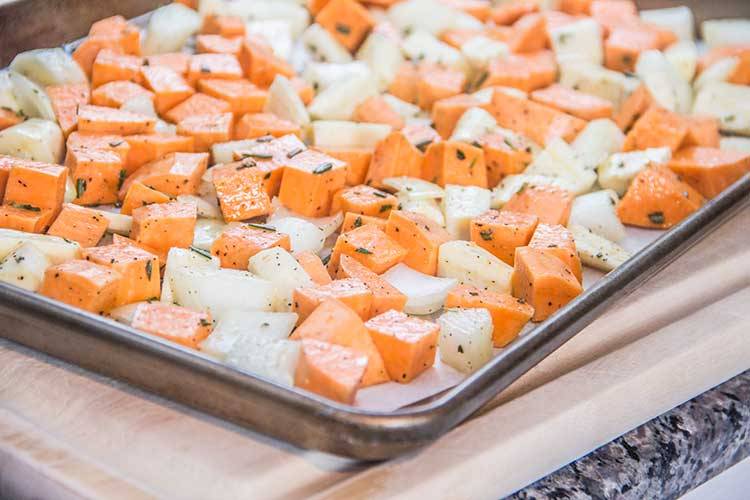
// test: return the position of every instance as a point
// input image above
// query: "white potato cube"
(328, 225)
(741, 144)
(178, 258)
(719, 71)
(718, 32)
(460, 205)
(346, 134)
(383, 56)
(322, 75)
(684, 57)
(279, 267)
(596, 211)
(559, 160)
(428, 207)
(430, 16)
(599, 139)
(323, 47)
(664, 82)
(425, 294)
(620, 168)
(422, 46)
(304, 236)
(274, 360)
(414, 188)
(679, 20)
(581, 40)
(470, 264)
(277, 32)
(270, 326)
(48, 67)
(284, 102)
(729, 103)
(596, 80)
(465, 338)
(34, 139)
(24, 267)
(206, 232)
(56, 249)
(480, 50)
(405, 110)
(339, 101)
(116, 222)
(596, 251)
(7, 97)
(205, 208)
(169, 27)
(473, 124)
(295, 15)
(31, 98)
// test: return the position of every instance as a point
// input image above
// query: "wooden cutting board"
(65, 433)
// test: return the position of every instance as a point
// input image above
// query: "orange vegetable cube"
(217, 44)
(41, 185)
(330, 370)
(305, 91)
(406, 344)
(741, 74)
(501, 232)
(357, 160)
(375, 109)
(313, 266)
(633, 107)
(364, 200)
(173, 174)
(404, 84)
(657, 198)
(420, 135)
(117, 27)
(138, 270)
(476, 8)
(702, 131)
(347, 21)
(115, 94)
(102, 120)
(446, 112)
(65, 101)
(550, 203)
(310, 179)
(370, 246)
(176, 61)
(105, 142)
(334, 322)
(223, 25)
(168, 86)
(613, 14)
(178, 324)
(353, 221)
(394, 156)
(657, 128)
(224, 66)
(97, 175)
(162, 226)
(145, 148)
(558, 242)
(351, 292)
(543, 281)
(254, 125)
(385, 297)
(525, 36)
(420, 236)
(82, 284)
(140, 195)
(625, 44)
(9, 118)
(238, 242)
(25, 217)
(242, 96)
(709, 170)
(122, 240)
(207, 130)
(454, 162)
(89, 48)
(79, 224)
(503, 156)
(508, 13)
(260, 64)
(579, 104)
(523, 71)
(269, 156)
(111, 66)
(196, 105)
(438, 83)
(509, 314)
(240, 191)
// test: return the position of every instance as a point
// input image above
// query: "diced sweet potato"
(526, 72)
(122, 240)
(207, 130)
(357, 160)
(457, 37)
(741, 73)
(364, 200)
(575, 7)
(347, 21)
(117, 27)
(579, 104)
(115, 94)
(702, 131)
(446, 112)
(110, 66)
(79, 224)
(86, 52)
(558, 242)
(625, 44)
(438, 83)
(224, 66)
(176, 61)
(394, 156)
(217, 44)
(107, 142)
(168, 86)
(242, 96)
(709, 170)
(197, 105)
(454, 162)
(331, 370)
(370, 246)
(508, 13)
(173, 174)
(269, 156)
(550, 203)
(140, 195)
(536, 121)
(375, 109)
(305, 91)
(82, 284)
(351, 292)
(406, 344)
(39, 185)
(138, 270)
(313, 266)
(24, 217)
(501, 232)
(96, 174)
(657, 128)
(310, 179)
(238, 242)
(526, 34)
(102, 120)
(420, 236)
(353, 221)
(503, 156)
(223, 25)
(254, 125)
(543, 281)
(65, 101)
(260, 64)
(384, 296)
(336, 323)
(178, 324)
(164, 225)
(404, 84)
(420, 135)
(240, 191)
(145, 148)
(480, 9)
(633, 108)
(614, 13)
(9, 118)
(657, 198)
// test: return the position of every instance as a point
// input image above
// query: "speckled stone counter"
(663, 458)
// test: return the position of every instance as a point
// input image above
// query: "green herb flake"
(205, 69)
(325, 260)
(262, 156)
(343, 28)
(385, 208)
(25, 206)
(363, 251)
(291, 154)
(379, 194)
(121, 178)
(201, 252)
(508, 143)
(149, 269)
(322, 168)
(114, 144)
(357, 222)
(267, 176)
(246, 163)
(486, 234)
(204, 322)
(265, 138)
(80, 187)
(262, 226)
(422, 145)
(460, 155)
(656, 217)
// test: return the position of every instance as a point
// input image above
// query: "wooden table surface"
(65, 433)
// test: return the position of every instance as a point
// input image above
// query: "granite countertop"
(663, 458)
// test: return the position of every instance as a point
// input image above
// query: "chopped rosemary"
(80, 187)
(291, 154)
(149, 269)
(25, 206)
(323, 167)
(656, 217)
(343, 28)
(121, 178)
(486, 234)
(262, 226)
(201, 252)
(357, 222)
(460, 154)
(363, 251)
(385, 208)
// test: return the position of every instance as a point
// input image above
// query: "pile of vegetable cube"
(329, 193)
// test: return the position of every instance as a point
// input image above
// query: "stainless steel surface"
(303, 419)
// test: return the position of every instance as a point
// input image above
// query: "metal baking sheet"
(303, 419)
